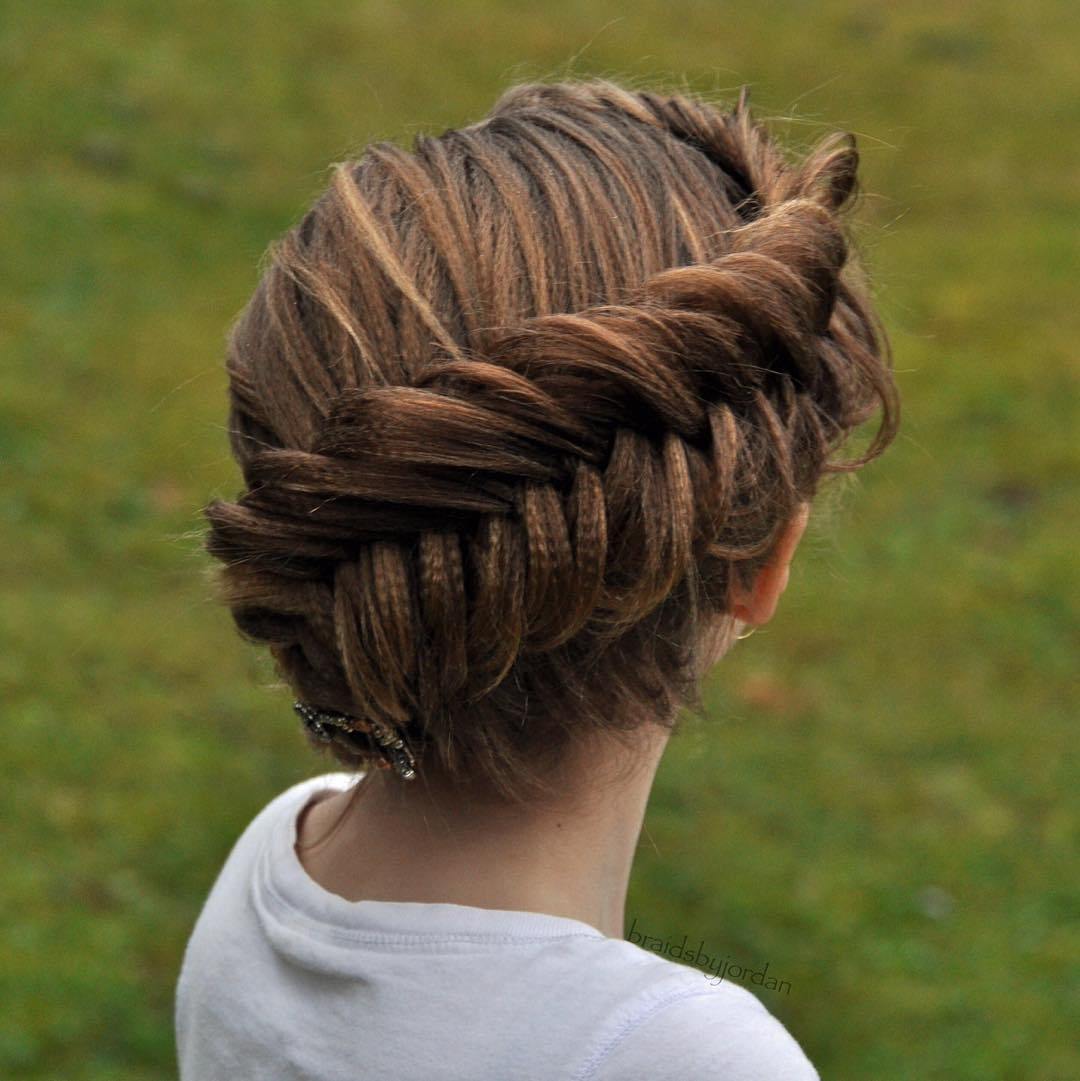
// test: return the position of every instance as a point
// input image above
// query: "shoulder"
(228, 890)
(267, 819)
(722, 1033)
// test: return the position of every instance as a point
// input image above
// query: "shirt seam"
(604, 1051)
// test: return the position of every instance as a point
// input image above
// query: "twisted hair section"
(513, 409)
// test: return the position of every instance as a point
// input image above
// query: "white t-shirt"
(283, 979)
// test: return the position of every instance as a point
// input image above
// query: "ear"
(758, 605)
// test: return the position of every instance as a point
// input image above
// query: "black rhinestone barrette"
(390, 746)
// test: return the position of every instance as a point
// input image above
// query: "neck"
(570, 856)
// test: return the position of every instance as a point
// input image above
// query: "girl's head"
(517, 411)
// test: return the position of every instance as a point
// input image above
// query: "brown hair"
(513, 407)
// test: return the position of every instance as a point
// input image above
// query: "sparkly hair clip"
(391, 747)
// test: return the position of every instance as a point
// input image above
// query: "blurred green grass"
(884, 806)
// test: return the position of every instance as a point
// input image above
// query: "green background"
(884, 804)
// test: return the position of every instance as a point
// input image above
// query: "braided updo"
(515, 407)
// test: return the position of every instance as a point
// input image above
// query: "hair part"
(513, 408)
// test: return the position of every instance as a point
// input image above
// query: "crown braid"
(480, 531)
